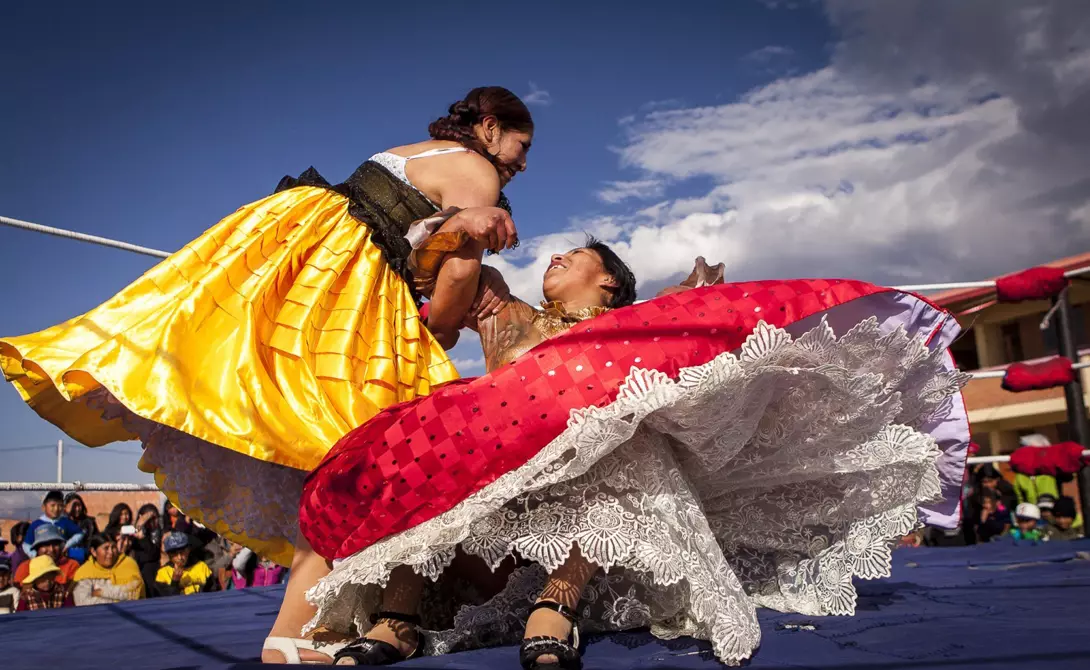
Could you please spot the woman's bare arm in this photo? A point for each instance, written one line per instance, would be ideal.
(454, 292)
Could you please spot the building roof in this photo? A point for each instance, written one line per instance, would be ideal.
(965, 295)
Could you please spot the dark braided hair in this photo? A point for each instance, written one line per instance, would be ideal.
(457, 126)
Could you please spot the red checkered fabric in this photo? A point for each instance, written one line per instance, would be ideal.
(1032, 284)
(1056, 371)
(419, 459)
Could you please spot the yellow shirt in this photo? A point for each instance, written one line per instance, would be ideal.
(193, 578)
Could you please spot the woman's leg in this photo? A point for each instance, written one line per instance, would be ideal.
(307, 569)
(565, 586)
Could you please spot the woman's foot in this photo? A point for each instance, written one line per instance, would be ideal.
(389, 641)
(317, 649)
(551, 638)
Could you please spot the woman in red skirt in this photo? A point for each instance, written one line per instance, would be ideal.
(673, 464)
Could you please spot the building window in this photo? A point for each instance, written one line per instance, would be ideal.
(964, 352)
(1012, 342)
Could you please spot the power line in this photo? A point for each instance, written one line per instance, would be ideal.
(9, 450)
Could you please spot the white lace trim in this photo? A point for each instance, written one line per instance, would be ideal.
(769, 478)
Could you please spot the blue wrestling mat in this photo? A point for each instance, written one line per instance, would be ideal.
(989, 606)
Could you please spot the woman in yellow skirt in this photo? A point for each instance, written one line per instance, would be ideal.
(242, 358)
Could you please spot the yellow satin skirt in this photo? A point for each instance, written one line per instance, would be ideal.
(239, 361)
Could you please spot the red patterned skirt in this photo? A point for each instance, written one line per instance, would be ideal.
(717, 449)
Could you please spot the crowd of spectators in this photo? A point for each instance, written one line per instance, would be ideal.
(63, 559)
(1030, 511)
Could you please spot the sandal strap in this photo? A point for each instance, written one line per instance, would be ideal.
(533, 648)
(411, 619)
(563, 610)
(370, 652)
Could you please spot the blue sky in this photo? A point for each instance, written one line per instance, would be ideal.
(886, 141)
(148, 124)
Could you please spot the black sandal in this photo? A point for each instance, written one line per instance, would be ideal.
(566, 652)
(376, 652)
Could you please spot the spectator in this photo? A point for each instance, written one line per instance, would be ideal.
(1062, 526)
(248, 569)
(120, 515)
(941, 537)
(991, 521)
(174, 521)
(181, 575)
(18, 534)
(9, 594)
(53, 515)
(4, 555)
(124, 539)
(77, 512)
(109, 576)
(42, 588)
(48, 541)
(990, 479)
(1026, 518)
(146, 544)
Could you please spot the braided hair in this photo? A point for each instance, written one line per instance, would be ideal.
(457, 126)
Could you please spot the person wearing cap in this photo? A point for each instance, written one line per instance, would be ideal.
(1026, 518)
(109, 577)
(1062, 526)
(183, 574)
(1045, 502)
(42, 588)
(9, 593)
(48, 541)
(53, 515)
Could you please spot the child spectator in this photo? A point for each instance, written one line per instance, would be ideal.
(42, 589)
(53, 515)
(182, 576)
(9, 593)
(108, 577)
(48, 541)
(992, 521)
(18, 555)
(248, 569)
(76, 510)
(1026, 518)
(1062, 526)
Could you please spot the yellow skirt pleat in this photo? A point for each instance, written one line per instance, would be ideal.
(272, 335)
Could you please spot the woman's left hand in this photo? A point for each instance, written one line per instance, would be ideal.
(492, 293)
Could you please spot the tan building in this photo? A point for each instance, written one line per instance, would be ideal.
(1001, 333)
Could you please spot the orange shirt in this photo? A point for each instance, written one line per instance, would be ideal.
(68, 568)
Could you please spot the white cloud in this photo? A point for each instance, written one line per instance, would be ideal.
(770, 53)
(642, 189)
(942, 142)
(537, 96)
(468, 367)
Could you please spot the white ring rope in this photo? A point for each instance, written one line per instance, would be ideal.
(147, 251)
(976, 460)
(82, 237)
(74, 486)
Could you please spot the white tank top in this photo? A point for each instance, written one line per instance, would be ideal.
(396, 164)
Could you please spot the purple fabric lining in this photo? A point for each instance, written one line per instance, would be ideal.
(951, 428)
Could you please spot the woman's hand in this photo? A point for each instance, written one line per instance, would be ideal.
(492, 293)
(491, 227)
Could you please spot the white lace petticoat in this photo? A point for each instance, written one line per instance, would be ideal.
(766, 477)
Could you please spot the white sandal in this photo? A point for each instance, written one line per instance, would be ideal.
(289, 647)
